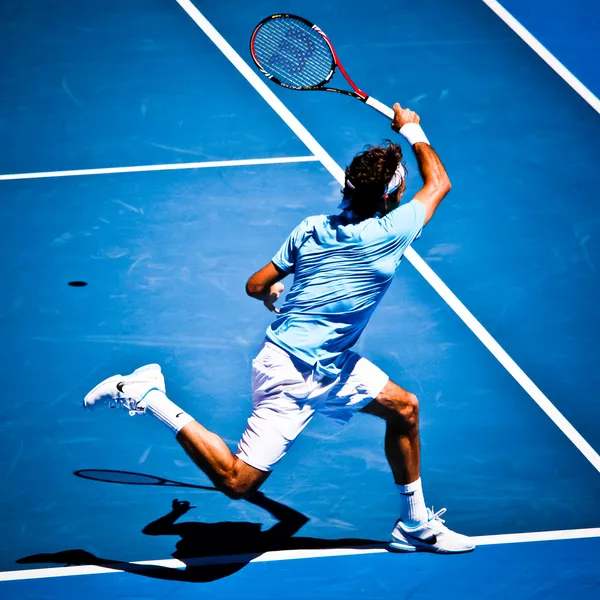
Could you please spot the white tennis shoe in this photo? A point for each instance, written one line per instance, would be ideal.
(431, 536)
(127, 391)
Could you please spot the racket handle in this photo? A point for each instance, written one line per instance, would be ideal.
(379, 106)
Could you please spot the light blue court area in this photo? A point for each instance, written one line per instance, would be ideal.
(165, 255)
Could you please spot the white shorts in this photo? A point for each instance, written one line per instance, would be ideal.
(286, 393)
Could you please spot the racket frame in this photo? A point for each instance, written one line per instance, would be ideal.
(320, 87)
(335, 62)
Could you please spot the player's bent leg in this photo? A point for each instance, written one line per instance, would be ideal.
(144, 391)
(231, 475)
(400, 410)
(419, 528)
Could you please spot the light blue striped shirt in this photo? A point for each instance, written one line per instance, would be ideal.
(342, 268)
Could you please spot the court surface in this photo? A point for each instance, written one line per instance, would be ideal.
(139, 159)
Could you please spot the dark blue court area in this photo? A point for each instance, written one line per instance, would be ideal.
(165, 251)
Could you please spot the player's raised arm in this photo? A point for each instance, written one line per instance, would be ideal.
(436, 183)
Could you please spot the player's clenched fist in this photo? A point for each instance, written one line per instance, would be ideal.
(402, 116)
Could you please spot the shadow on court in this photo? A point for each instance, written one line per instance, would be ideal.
(210, 551)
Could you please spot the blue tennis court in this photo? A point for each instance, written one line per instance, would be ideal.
(141, 158)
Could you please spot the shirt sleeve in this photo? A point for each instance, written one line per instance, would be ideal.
(285, 259)
(406, 221)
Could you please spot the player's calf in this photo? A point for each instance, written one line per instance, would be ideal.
(231, 475)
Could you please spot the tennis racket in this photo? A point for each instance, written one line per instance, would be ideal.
(131, 478)
(296, 54)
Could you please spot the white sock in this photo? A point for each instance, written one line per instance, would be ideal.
(159, 406)
(412, 504)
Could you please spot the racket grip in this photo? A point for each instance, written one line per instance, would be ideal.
(379, 106)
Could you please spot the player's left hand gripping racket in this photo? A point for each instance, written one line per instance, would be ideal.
(296, 54)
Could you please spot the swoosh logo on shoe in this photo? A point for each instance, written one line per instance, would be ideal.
(429, 541)
(120, 386)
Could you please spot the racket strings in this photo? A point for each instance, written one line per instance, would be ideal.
(293, 52)
(295, 63)
(286, 69)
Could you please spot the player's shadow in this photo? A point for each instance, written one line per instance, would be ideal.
(211, 551)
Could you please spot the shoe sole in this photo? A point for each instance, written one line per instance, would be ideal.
(401, 546)
(116, 379)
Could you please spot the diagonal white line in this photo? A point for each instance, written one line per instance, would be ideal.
(422, 267)
(503, 358)
(544, 53)
(278, 555)
(165, 167)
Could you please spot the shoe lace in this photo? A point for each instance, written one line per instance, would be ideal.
(437, 515)
(435, 520)
(124, 401)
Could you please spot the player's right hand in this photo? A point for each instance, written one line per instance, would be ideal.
(402, 116)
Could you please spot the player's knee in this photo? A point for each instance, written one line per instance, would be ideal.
(233, 489)
(236, 493)
(238, 489)
(407, 411)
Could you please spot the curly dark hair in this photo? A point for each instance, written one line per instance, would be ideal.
(369, 173)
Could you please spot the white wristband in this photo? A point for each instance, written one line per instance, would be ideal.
(414, 133)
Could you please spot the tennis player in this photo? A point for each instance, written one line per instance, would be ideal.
(342, 267)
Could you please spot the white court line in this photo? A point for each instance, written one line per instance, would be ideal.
(167, 167)
(422, 267)
(278, 555)
(544, 54)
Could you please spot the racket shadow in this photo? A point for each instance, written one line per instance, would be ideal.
(133, 478)
(209, 551)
